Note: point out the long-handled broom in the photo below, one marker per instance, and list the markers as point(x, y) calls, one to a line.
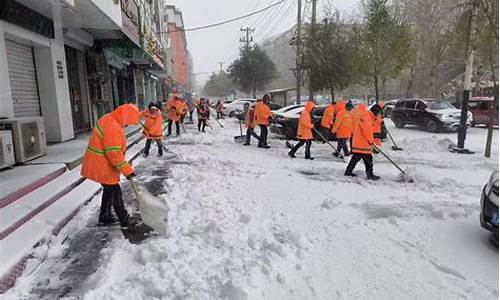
point(404, 174)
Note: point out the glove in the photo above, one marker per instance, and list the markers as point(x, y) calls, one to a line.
point(131, 175)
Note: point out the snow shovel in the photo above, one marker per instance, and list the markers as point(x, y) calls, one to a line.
point(239, 138)
point(221, 126)
point(336, 153)
point(154, 212)
point(405, 176)
point(394, 147)
point(183, 128)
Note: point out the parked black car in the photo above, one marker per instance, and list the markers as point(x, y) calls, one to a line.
point(286, 124)
point(489, 207)
point(432, 115)
point(388, 107)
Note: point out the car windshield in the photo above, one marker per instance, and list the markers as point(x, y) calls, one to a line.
point(439, 105)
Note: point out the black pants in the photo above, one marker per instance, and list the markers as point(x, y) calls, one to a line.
point(301, 143)
point(250, 133)
point(191, 115)
point(219, 115)
point(263, 135)
point(356, 157)
point(342, 144)
point(148, 145)
point(169, 126)
point(202, 123)
point(112, 197)
point(182, 118)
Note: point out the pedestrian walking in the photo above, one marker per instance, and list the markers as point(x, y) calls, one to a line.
point(342, 128)
point(263, 115)
point(104, 161)
point(153, 130)
point(304, 131)
point(249, 113)
point(362, 141)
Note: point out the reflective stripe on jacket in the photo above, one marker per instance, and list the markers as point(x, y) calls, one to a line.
point(104, 158)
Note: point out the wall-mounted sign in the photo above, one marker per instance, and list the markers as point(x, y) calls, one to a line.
point(60, 70)
point(130, 19)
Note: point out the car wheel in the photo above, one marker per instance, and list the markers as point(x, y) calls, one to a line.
point(399, 123)
point(231, 114)
point(472, 124)
point(432, 126)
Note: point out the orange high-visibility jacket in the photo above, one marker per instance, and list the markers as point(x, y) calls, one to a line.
point(362, 137)
point(250, 118)
point(104, 158)
point(357, 112)
point(377, 128)
point(153, 124)
point(304, 130)
point(174, 109)
point(184, 108)
point(343, 126)
point(328, 116)
point(262, 113)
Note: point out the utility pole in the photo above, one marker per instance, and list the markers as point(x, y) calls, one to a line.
point(220, 63)
point(462, 129)
point(247, 38)
point(313, 35)
point(298, 71)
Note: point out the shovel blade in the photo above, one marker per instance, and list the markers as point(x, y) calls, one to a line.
point(239, 139)
point(396, 148)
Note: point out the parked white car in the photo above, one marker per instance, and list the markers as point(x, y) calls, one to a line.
point(237, 106)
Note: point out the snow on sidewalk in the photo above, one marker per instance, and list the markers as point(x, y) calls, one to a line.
point(247, 223)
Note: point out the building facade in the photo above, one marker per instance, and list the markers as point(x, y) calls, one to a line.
point(71, 61)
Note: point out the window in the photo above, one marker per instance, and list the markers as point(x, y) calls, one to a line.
point(437, 105)
point(421, 105)
point(410, 104)
point(483, 105)
point(399, 104)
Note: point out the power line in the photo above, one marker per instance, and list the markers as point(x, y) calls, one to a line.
point(224, 22)
point(269, 19)
point(279, 21)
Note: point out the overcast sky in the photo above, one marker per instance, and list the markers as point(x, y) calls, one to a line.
point(220, 43)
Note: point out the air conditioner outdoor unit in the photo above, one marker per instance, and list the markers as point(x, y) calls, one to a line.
point(7, 157)
point(29, 137)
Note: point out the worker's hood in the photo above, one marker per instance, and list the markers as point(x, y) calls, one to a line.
point(309, 106)
point(126, 114)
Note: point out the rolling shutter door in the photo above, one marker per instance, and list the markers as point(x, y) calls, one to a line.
point(22, 74)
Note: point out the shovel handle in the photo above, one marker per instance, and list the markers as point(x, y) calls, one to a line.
point(134, 187)
point(388, 158)
point(328, 142)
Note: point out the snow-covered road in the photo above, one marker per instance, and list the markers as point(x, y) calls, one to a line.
point(247, 223)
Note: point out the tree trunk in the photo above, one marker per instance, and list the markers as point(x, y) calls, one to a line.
point(489, 136)
point(375, 84)
point(332, 91)
point(409, 87)
point(384, 91)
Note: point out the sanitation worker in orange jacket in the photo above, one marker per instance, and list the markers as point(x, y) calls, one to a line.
point(263, 115)
point(174, 107)
point(329, 115)
point(152, 128)
point(362, 141)
point(304, 131)
point(104, 161)
point(249, 113)
point(184, 110)
point(378, 123)
point(342, 128)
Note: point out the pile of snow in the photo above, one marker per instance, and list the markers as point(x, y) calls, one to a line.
point(427, 144)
